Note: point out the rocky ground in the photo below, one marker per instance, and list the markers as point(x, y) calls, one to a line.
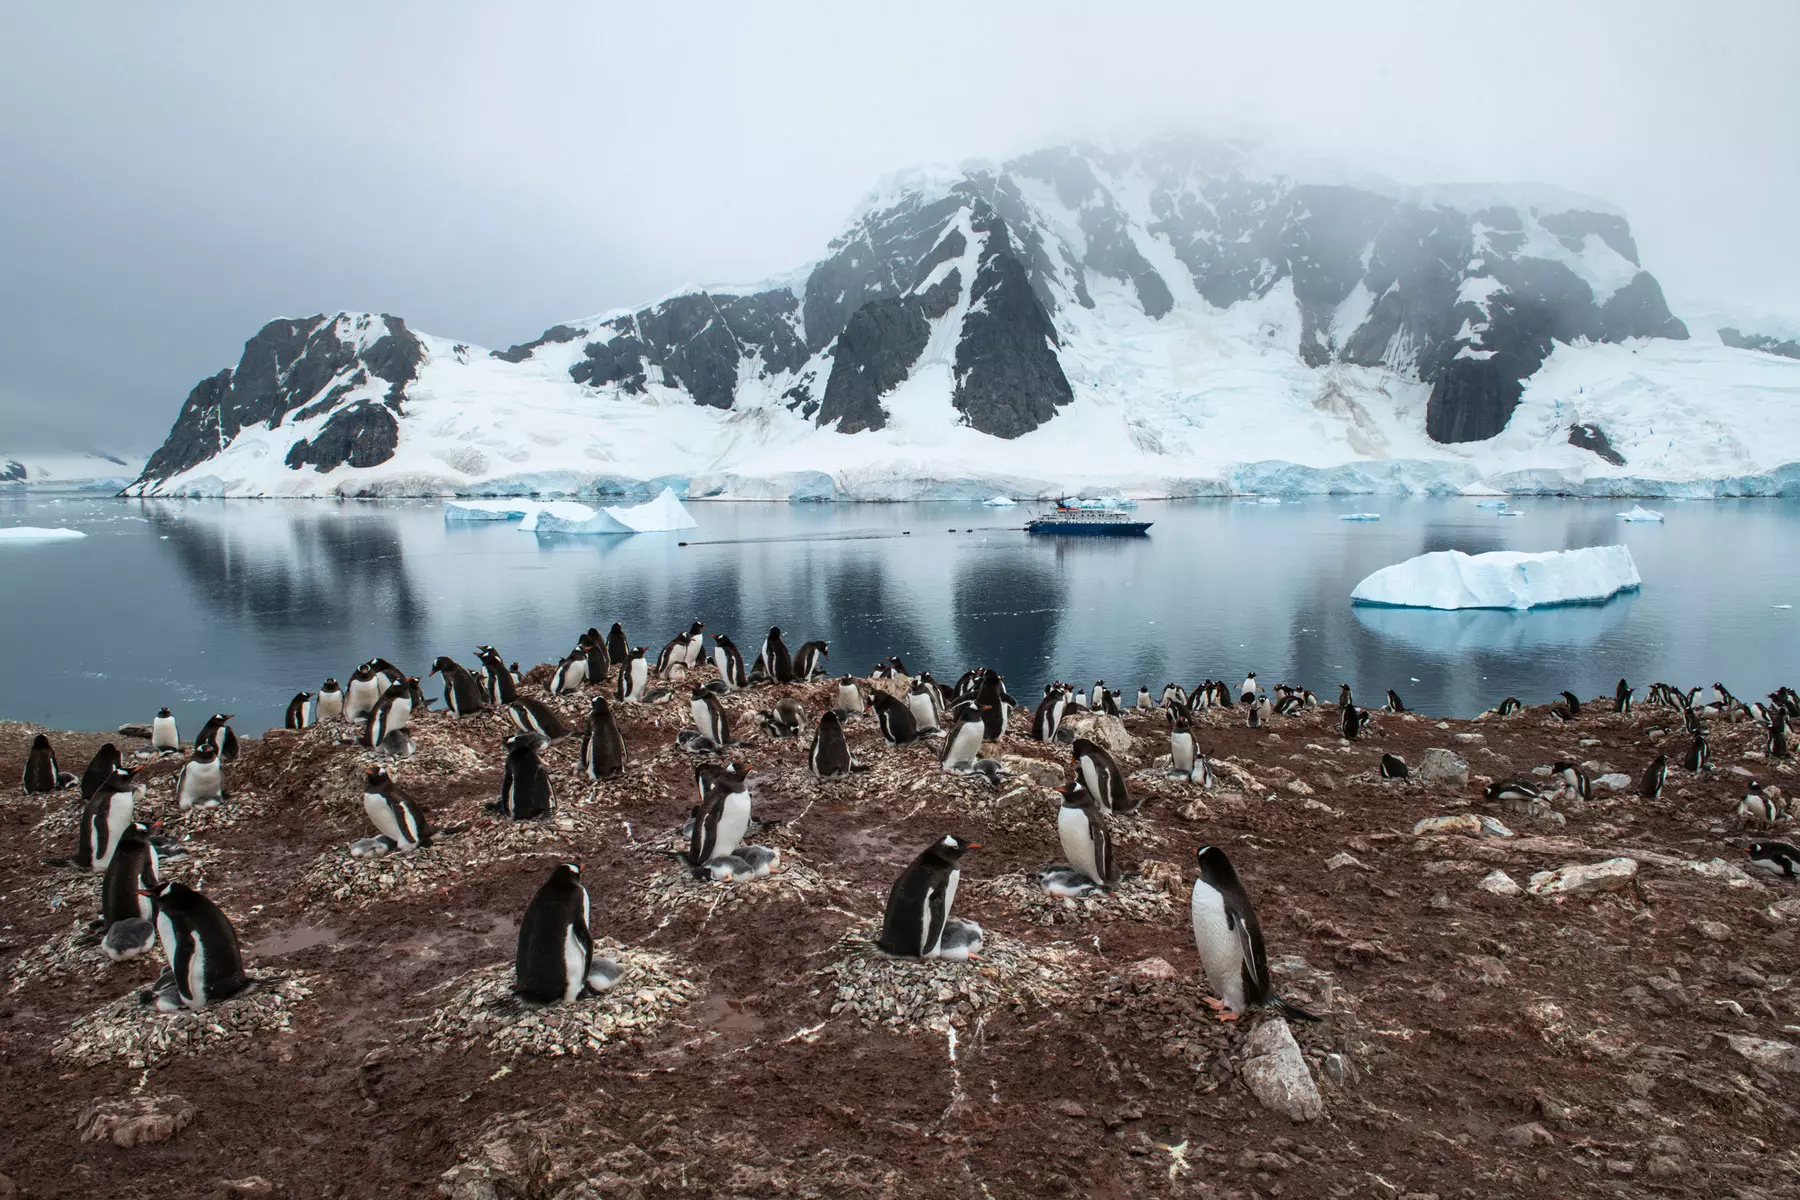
point(1634, 1039)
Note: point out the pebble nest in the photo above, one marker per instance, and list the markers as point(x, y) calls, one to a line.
point(672, 887)
point(128, 1032)
point(918, 994)
point(485, 1009)
point(337, 875)
point(75, 951)
point(1145, 896)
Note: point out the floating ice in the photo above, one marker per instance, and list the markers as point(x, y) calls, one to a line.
point(488, 510)
point(32, 533)
point(1640, 513)
point(666, 512)
point(1502, 579)
point(1360, 517)
point(1000, 502)
point(1490, 504)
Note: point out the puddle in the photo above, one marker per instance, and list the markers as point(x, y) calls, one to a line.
point(726, 1014)
point(293, 940)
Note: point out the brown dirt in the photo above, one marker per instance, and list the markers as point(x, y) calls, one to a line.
point(1477, 1045)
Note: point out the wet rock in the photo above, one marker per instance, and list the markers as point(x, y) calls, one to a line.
point(1442, 768)
point(1500, 884)
point(1277, 1075)
point(1582, 879)
point(135, 1120)
point(1767, 1053)
point(1467, 823)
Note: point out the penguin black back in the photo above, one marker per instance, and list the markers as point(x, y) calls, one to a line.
point(602, 746)
point(919, 901)
point(556, 917)
point(525, 789)
point(99, 770)
point(41, 773)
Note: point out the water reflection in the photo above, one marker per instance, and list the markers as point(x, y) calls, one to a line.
point(1452, 634)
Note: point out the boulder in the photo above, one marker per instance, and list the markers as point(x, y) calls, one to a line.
point(1038, 770)
point(1500, 884)
point(1277, 1075)
point(1105, 731)
point(135, 1120)
point(1442, 768)
point(1467, 823)
point(1767, 1053)
point(1583, 879)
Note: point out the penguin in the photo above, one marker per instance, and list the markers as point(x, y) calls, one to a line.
point(571, 673)
point(1172, 695)
point(1355, 721)
point(1722, 697)
point(1574, 779)
point(41, 772)
point(896, 719)
point(849, 700)
point(397, 743)
point(1181, 747)
point(996, 706)
point(1086, 837)
point(599, 662)
point(785, 720)
point(809, 660)
point(634, 677)
point(1229, 939)
point(1776, 858)
point(330, 704)
point(534, 718)
point(917, 922)
point(1699, 754)
point(1652, 785)
point(395, 815)
point(555, 960)
point(363, 694)
point(1509, 706)
point(106, 760)
point(830, 756)
point(719, 820)
point(127, 916)
point(1345, 699)
point(1048, 717)
point(217, 732)
point(925, 705)
point(394, 712)
point(1778, 734)
point(386, 673)
point(962, 748)
point(1109, 704)
point(673, 657)
point(1144, 699)
point(1758, 806)
point(525, 790)
point(462, 694)
point(1393, 767)
point(618, 646)
point(775, 658)
point(729, 662)
point(882, 670)
point(1290, 703)
point(1622, 697)
point(696, 643)
point(1247, 690)
point(900, 671)
point(106, 818)
point(1568, 708)
point(502, 688)
point(1102, 777)
point(1394, 705)
point(201, 780)
point(1097, 696)
point(1253, 714)
point(163, 734)
point(602, 746)
point(1513, 790)
point(1202, 773)
point(299, 712)
point(710, 719)
point(201, 948)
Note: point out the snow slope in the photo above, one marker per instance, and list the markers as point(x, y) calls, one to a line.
point(69, 469)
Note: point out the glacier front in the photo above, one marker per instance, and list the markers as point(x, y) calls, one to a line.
point(1502, 579)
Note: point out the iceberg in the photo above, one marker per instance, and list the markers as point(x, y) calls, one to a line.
point(1639, 514)
point(1000, 502)
point(1360, 517)
point(666, 512)
point(1502, 579)
point(33, 533)
point(660, 515)
point(487, 510)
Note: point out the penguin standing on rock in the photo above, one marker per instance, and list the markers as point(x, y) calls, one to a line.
point(1102, 777)
point(1778, 733)
point(299, 712)
point(696, 643)
point(602, 746)
point(618, 646)
point(1394, 705)
point(730, 663)
point(917, 922)
point(571, 673)
point(1181, 746)
point(1048, 718)
point(555, 961)
point(1654, 777)
point(1699, 754)
point(996, 705)
point(330, 704)
point(962, 748)
point(217, 733)
point(525, 789)
point(849, 702)
point(895, 718)
point(1574, 780)
point(711, 720)
point(809, 660)
point(1622, 697)
point(830, 756)
point(502, 688)
point(106, 760)
point(1247, 690)
point(599, 662)
point(41, 772)
point(1568, 708)
point(1355, 721)
point(462, 694)
point(717, 825)
point(1509, 706)
point(127, 916)
point(634, 677)
point(163, 734)
point(201, 948)
point(1229, 939)
point(393, 713)
point(671, 662)
point(1144, 699)
point(106, 818)
point(201, 780)
point(925, 705)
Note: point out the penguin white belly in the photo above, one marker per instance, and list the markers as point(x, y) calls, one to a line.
point(1077, 842)
point(196, 974)
point(361, 699)
point(200, 781)
point(965, 744)
point(1092, 778)
point(163, 735)
point(575, 964)
point(165, 933)
point(330, 706)
point(1181, 752)
point(922, 712)
point(381, 815)
point(849, 698)
point(733, 821)
point(399, 715)
point(1221, 953)
point(722, 664)
point(118, 820)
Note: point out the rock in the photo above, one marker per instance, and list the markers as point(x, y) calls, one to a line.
point(1069, 1108)
point(1712, 931)
point(1766, 1053)
point(1040, 772)
point(1107, 732)
point(1344, 859)
point(1299, 787)
point(233, 1189)
point(1470, 738)
point(1441, 768)
point(1614, 782)
point(135, 1120)
point(1151, 970)
point(134, 729)
point(1467, 823)
point(1529, 1134)
point(8, 1189)
point(1277, 1075)
point(1490, 827)
point(1727, 873)
point(1580, 879)
point(1500, 884)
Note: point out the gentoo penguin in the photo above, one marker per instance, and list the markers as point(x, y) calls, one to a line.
point(1247, 689)
point(127, 916)
point(996, 706)
point(785, 720)
point(673, 657)
point(1394, 705)
point(525, 789)
point(1776, 858)
point(618, 646)
point(896, 719)
point(106, 818)
point(1109, 703)
point(917, 923)
point(1778, 733)
point(41, 771)
point(775, 658)
point(1574, 779)
point(1509, 706)
point(899, 668)
point(710, 719)
point(331, 702)
point(363, 694)
point(1102, 777)
point(634, 677)
point(1355, 720)
point(925, 705)
point(1652, 785)
point(532, 717)
point(386, 673)
point(1144, 699)
point(1253, 715)
point(217, 732)
point(1699, 754)
point(1622, 697)
point(830, 755)
point(201, 949)
point(696, 643)
point(163, 734)
point(809, 660)
point(1172, 694)
point(397, 743)
point(1758, 805)
point(1096, 696)
point(1568, 708)
point(1181, 746)
point(1085, 834)
point(1393, 767)
point(299, 711)
point(1345, 699)
point(395, 814)
point(729, 663)
point(462, 694)
point(1048, 717)
point(555, 962)
point(719, 821)
point(849, 701)
point(599, 662)
point(502, 688)
point(1512, 790)
point(201, 780)
point(571, 673)
point(393, 712)
point(962, 747)
point(99, 769)
point(1230, 942)
point(602, 746)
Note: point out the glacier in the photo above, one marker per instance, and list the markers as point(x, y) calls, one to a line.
point(1450, 579)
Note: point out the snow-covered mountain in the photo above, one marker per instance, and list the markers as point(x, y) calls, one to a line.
point(85, 469)
point(1170, 319)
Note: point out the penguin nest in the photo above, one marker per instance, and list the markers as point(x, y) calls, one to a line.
point(1148, 896)
point(337, 875)
point(926, 993)
point(673, 887)
point(62, 815)
point(438, 750)
point(485, 1009)
point(131, 1034)
point(210, 818)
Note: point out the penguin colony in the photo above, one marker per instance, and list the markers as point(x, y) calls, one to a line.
point(555, 961)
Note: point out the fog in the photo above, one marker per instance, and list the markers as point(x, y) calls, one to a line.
point(175, 175)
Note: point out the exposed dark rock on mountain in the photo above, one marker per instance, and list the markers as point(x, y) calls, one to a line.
point(363, 435)
point(12, 471)
point(874, 353)
point(1785, 347)
point(1008, 378)
point(1592, 437)
point(698, 343)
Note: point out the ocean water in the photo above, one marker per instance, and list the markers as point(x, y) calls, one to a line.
point(233, 606)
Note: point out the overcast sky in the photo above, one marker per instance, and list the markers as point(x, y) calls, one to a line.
point(176, 174)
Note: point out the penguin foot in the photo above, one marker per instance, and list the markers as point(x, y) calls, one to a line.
point(1220, 1009)
point(603, 973)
